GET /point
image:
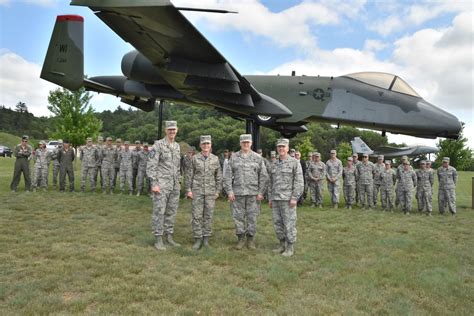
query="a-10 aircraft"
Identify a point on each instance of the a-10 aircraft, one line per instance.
(360, 147)
(173, 61)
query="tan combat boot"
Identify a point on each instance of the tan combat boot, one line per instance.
(289, 250)
(240, 243)
(159, 243)
(197, 244)
(251, 243)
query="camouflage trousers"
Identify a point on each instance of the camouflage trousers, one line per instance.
(387, 198)
(165, 207)
(424, 198)
(316, 189)
(405, 197)
(55, 174)
(349, 194)
(376, 189)
(116, 175)
(88, 172)
(202, 211)
(284, 220)
(447, 197)
(108, 174)
(366, 194)
(126, 175)
(98, 172)
(69, 171)
(40, 177)
(245, 210)
(333, 189)
(141, 178)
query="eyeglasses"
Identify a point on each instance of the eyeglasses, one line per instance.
(24, 140)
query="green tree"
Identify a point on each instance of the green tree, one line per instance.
(456, 149)
(344, 151)
(75, 119)
(305, 147)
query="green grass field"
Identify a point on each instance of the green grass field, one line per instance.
(76, 253)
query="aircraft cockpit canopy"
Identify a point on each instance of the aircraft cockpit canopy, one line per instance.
(385, 81)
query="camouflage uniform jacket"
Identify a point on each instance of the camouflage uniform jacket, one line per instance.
(108, 156)
(447, 177)
(349, 175)
(118, 149)
(407, 180)
(163, 166)
(22, 152)
(89, 156)
(378, 168)
(387, 179)
(135, 155)
(424, 179)
(54, 155)
(125, 159)
(365, 173)
(286, 180)
(334, 169)
(245, 174)
(42, 158)
(204, 176)
(142, 158)
(316, 171)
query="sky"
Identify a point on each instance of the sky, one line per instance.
(430, 44)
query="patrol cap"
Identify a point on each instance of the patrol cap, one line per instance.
(108, 138)
(333, 151)
(273, 153)
(355, 155)
(388, 162)
(205, 139)
(118, 140)
(423, 162)
(292, 150)
(42, 142)
(349, 158)
(446, 159)
(145, 144)
(380, 157)
(171, 125)
(365, 155)
(137, 142)
(126, 142)
(245, 138)
(316, 154)
(404, 157)
(25, 137)
(283, 142)
(100, 138)
(406, 162)
(89, 139)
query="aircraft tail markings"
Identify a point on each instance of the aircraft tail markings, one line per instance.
(360, 147)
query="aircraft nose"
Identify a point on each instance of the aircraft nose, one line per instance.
(447, 125)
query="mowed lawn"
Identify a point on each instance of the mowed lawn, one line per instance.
(93, 254)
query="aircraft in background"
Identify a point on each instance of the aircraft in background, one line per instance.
(360, 147)
(173, 61)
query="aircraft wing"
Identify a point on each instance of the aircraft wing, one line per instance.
(393, 152)
(183, 56)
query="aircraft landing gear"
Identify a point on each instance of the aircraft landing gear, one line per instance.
(160, 118)
(252, 127)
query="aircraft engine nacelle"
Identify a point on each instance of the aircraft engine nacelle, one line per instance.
(137, 67)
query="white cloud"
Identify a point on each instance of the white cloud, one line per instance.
(42, 3)
(386, 25)
(20, 81)
(374, 45)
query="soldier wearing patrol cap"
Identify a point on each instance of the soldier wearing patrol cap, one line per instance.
(447, 178)
(22, 152)
(108, 156)
(163, 168)
(203, 182)
(333, 174)
(245, 183)
(379, 166)
(365, 181)
(118, 149)
(142, 159)
(135, 153)
(387, 180)
(406, 184)
(349, 175)
(397, 188)
(425, 181)
(56, 164)
(316, 174)
(286, 185)
(89, 156)
(98, 171)
(355, 163)
(41, 158)
(125, 161)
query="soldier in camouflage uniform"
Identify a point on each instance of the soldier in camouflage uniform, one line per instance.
(42, 157)
(22, 152)
(397, 188)
(387, 180)
(89, 155)
(365, 182)
(108, 156)
(406, 184)
(379, 167)
(424, 188)
(56, 164)
(163, 167)
(355, 163)
(286, 185)
(125, 161)
(142, 159)
(118, 149)
(349, 175)
(98, 171)
(135, 152)
(203, 182)
(333, 174)
(186, 161)
(316, 174)
(245, 182)
(66, 157)
(447, 178)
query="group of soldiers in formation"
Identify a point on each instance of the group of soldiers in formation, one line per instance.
(244, 177)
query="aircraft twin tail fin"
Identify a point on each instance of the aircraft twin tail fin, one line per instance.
(360, 147)
(64, 62)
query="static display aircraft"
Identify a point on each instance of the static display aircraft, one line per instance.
(360, 147)
(173, 61)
